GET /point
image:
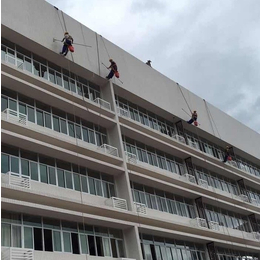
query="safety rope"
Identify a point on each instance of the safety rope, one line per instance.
(77, 144)
(184, 97)
(212, 117)
(209, 117)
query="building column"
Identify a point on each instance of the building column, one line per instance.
(132, 243)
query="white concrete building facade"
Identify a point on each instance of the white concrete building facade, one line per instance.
(98, 169)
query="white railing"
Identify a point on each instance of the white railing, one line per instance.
(117, 203)
(256, 235)
(189, 178)
(108, 149)
(214, 225)
(243, 197)
(123, 112)
(179, 138)
(232, 163)
(18, 180)
(254, 201)
(130, 157)
(14, 253)
(199, 222)
(140, 208)
(103, 103)
(203, 183)
(193, 144)
(12, 115)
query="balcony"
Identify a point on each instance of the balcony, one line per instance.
(108, 149)
(243, 197)
(199, 222)
(130, 157)
(14, 253)
(203, 183)
(179, 138)
(214, 225)
(189, 178)
(14, 116)
(14, 179)
(117, 203)
(103, 103)
(123, 112)
(140, 208)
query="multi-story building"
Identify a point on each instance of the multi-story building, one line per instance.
(106, 168)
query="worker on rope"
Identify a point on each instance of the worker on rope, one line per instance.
(227, 154)
(194, 117)
(113, 70)
(148, 63)
(68, 41)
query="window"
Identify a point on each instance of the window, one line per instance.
(14, 164)
(61, 179)
(43, 173)
(4, 163)
(66, 242)
(57, 241)
(34, 171)
(6, 234)
(25, 167)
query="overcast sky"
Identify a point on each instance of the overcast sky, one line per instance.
(211, 47)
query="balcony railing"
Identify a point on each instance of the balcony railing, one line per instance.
(14, 253)
(214, 225)
(254, 202)
(108, 149)
(103, 103)
(199, 222)
(180, 138)
(21, 181)
(203, 183)
(117, 203)
(193, 144)
(12, 115)
(189, 178)
(140, 208)
(243, 197)
(123, 112)
(130, 157)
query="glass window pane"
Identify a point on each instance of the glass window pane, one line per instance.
(92, 186)
(68, 177)
(85, 134)
(63, 126)
(39, 115)
(16, 236)
(52, 176)
(112, 190)
(78, 132)
(31, 115)
(66, 242)
(34, 171)
(22, 108)
(51, 76)
(84, 184)
(25, 167)
(61, 180)
(58, 78)
(47, 120)
(105, 189)
(66, 82)
(84, 244)
(28, 237)
(4, 103)
(6, 235)
(76, 182)
(13, 104)
(98, 187)
(56, 124)
(14, 164)
(91, 137)
(120, 248)
(43, 173)
(71, 130)
(4, 163)
(57, 241)
(106, 246)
